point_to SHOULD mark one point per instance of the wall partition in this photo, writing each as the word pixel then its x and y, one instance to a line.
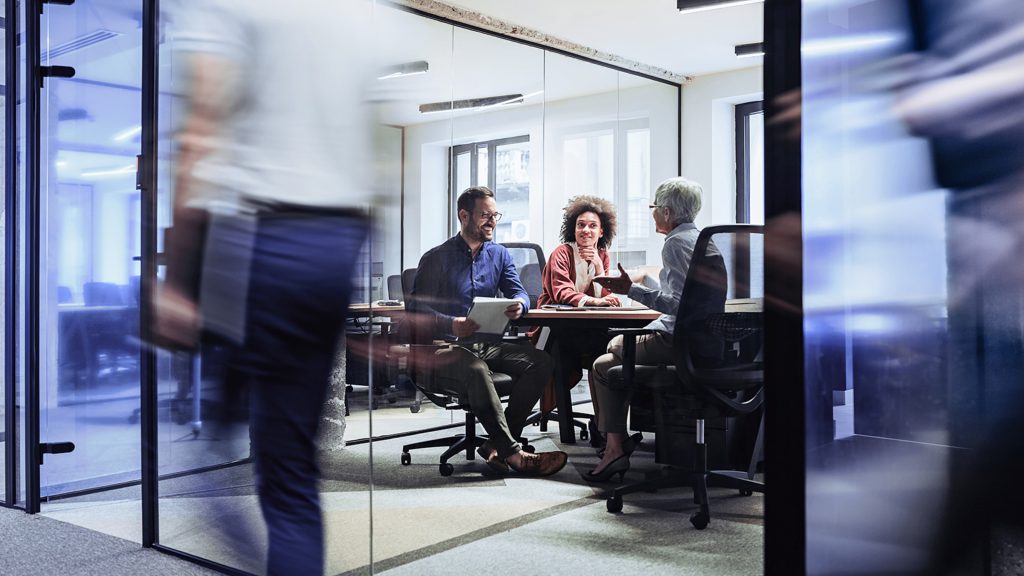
pixel 455 107
pixel 538 127
pixel 90 409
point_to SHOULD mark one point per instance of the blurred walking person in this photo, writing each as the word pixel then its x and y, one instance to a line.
pixel 268 163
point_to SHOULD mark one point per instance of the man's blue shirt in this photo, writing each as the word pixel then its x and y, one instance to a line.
pixel 448 278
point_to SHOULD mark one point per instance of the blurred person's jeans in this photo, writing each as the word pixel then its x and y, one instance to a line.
pixel 300 286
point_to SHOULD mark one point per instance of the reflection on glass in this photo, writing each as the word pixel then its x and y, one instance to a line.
pixel 89 290
pixel 885 420
pixel 3 266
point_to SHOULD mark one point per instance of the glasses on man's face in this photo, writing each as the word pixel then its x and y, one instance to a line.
pixel 653 206
pixel 485 216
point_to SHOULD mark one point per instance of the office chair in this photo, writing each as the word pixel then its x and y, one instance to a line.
pixel 395 287
pixel 530 262
pixel 420 375
pixel 64 295
pixel 102 294
pixel 718 370
pixel 469 440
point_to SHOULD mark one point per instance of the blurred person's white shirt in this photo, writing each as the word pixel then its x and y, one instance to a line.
pixel 298 130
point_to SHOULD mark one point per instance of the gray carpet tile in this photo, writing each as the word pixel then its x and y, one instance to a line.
pixel 36 545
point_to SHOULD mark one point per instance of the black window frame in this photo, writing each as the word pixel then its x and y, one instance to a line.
pixel 743 113
pixel 472 148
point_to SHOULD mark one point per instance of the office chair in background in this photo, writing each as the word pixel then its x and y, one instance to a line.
pixel 718 371
pixel 102 294
pixel 64 295
pixel 395 287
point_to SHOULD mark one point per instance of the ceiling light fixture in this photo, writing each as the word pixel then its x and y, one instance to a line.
pixel 690 6
pixel 475 103
pixel 407 69
pixel 130 169
pixel 748 50
pixel 127 133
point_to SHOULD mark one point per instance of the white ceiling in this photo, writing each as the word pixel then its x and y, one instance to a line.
pixel 649 31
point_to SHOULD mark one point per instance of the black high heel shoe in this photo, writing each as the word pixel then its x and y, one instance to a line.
pixel 618 466
pixel 629 445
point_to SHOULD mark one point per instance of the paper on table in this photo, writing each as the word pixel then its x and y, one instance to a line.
pixel 489 313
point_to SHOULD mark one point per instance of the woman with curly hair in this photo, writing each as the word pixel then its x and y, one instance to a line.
pixel 588 228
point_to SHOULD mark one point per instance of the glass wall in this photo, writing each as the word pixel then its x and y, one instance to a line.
pixel 3 259
pixel 536 126
pixel 89 302
pixel 913 318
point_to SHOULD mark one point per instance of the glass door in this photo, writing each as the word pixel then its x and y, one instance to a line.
pixel 89 245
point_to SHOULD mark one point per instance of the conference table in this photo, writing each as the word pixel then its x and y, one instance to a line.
pixel 566 323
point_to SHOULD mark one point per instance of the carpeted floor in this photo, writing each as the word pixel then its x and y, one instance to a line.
pixel 423 523
pixel 41 546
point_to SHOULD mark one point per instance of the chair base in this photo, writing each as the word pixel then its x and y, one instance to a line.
pixel 700 480
pixel 468 442
pixel 580 420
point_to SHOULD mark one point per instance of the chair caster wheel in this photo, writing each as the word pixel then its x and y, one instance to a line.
pixel 406 458
pixel 584 435
pixel 745 492
pixel 414 408
pixel 700 520
pixel 529 448
pixel 446 469
pixel 614 504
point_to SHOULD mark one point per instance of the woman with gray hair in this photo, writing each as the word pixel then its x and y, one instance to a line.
pixel 676 203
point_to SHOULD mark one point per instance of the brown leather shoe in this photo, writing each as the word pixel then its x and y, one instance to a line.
pixel 541 464
pixel 490 456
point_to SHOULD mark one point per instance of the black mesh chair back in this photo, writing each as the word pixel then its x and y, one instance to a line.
pixel 718 370
pixel 530 261
pixel 395 287
pixel 408 276
pixel 718 351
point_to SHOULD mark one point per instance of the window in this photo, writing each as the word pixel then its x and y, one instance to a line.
pixel 613 161
pixel 750 163
pixel 749 193
pixel 504 167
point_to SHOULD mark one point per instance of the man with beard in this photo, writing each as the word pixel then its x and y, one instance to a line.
pixel 449 276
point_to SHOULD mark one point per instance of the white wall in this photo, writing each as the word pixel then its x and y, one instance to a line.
pixel 709 153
